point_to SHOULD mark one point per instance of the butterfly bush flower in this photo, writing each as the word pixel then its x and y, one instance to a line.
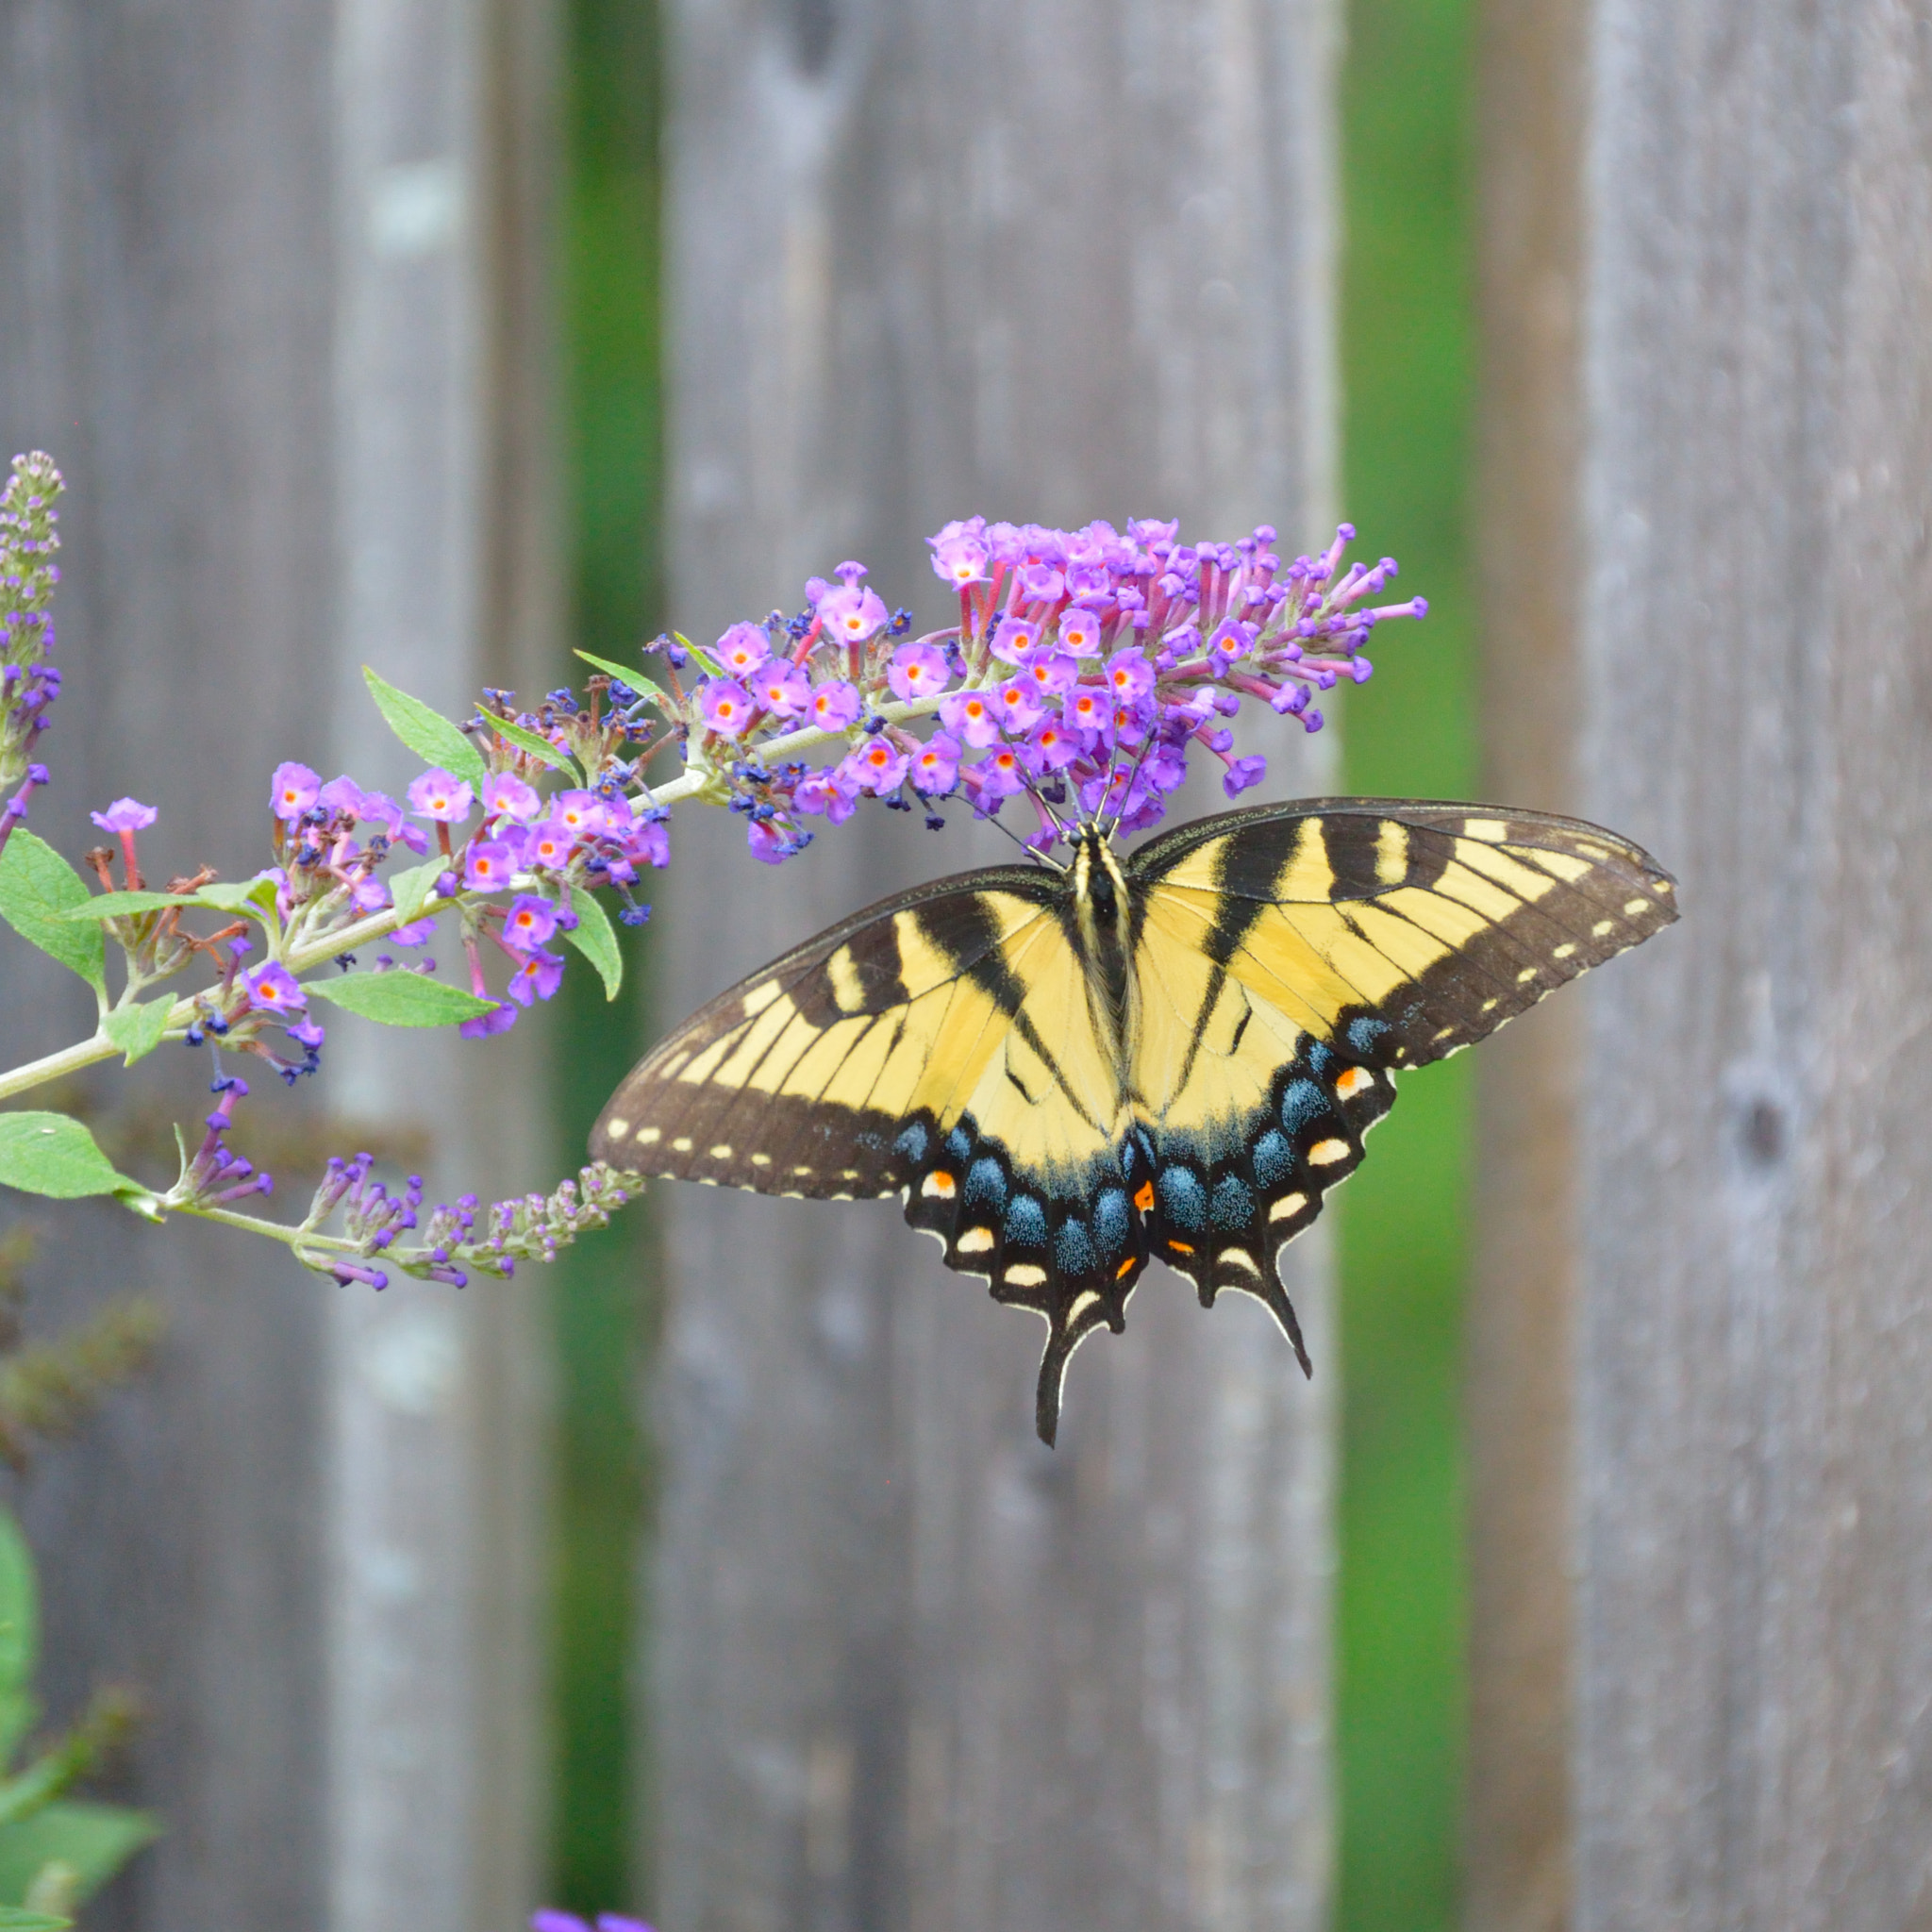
pixel 1087 667
pixel 441 796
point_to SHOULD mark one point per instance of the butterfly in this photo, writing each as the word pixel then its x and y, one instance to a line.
pixel 1066 1074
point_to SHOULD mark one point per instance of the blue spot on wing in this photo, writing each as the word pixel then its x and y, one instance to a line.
pixel 1184 1198
pixel 986 1180
pixel 1027 1222
pixel 1233 1207
pixel 1112 1226
pixel 1274 1157
pixel 913 1142
pixel 1365 1036
pixel 959 1142
pixel 1072 1251
pixel 1302 1103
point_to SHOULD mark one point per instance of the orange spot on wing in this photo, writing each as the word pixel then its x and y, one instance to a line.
pixel 1180 1247
pixel 1125 1269
pixel 1144 1199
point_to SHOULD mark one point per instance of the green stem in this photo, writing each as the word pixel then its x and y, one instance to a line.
pixel 55 1066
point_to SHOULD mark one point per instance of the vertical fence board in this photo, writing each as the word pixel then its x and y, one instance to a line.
pixel 1049 261
pixel 1754 1660
pixel 1518 1404
pixel 297 395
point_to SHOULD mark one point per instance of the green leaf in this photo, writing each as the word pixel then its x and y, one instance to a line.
pixel 595 938
pixel 251 896
pixel 427 733
pixel 53 1153
pixel 122 905
pixel 636 679
pixel 95 1840
pixel 536 745
pixel 137 1030
pixel 18 1918
pixel 20 1637
pixel 410 889
pixel 38 887
pixel 399 999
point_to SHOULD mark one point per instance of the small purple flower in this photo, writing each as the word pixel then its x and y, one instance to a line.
pixel 1041 583
pixel 292 791
pixel 1241 774
pixel 1000 773
pixel 878 766
pixel 127 815
pixel 648 842
pixel 852 614
pixel 918 671
pixel 344 797
pixel 742 649
pixel 936 764
pixel 529 923
pixel 1089 710
pixel 728 707
pixel 834 706
pixel 442 796
pixel 305 1033
pixel 781 688
pixel 1130 676
pixel 1080 633
pixel 369 894
pixel 499 1019
pixel 506 795
pixel 537 979
pixel 1015 637
pixel 772 842
pixel 970 717
pixel 488 865
pixel 960 559
pixel 272 988
pixel 1054 674
pixel 551 843
pixel 580 813
pixel 1053 746
pixel 417 933
pixel 827 794
pixel 379 809
pixel 1018 704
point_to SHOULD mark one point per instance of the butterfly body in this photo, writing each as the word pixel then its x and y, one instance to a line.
pixel 1067 1074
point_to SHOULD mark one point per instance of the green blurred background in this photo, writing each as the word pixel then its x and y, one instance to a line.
pixel 1407 361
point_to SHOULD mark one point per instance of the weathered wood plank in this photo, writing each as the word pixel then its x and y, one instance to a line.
pixel 266 295
pixel 1755 1659
pixel 1518 1402
pixel 1048 261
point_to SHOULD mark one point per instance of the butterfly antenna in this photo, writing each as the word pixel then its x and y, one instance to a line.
pixel 1031 851
pixel 1128 790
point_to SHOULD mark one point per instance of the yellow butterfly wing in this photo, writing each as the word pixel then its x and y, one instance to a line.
pixel 1291 959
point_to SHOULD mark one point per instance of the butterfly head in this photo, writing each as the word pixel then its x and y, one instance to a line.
pixel 1100 887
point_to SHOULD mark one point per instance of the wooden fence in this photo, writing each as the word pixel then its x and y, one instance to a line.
pixel 273 285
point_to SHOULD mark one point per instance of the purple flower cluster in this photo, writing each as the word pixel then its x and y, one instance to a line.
pixel 29 538
pixel 1085 667
pixel 533 1227
pixel 215 1174
pixel 516 869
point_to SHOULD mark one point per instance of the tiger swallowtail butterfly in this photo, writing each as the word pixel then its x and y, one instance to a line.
pixel 1067 1074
